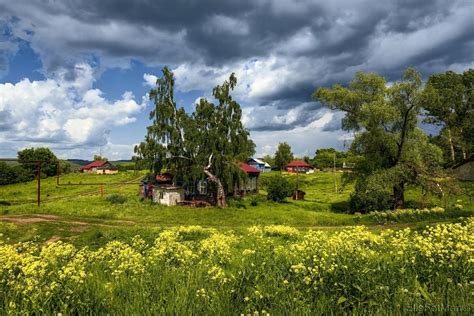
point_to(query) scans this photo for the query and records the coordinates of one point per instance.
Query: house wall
(101, 171)
(168, 197)
(465, 172)
(298, 169)
(259, 167)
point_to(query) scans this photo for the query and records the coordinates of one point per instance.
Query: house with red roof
(250, 185)
(298, 166)
(99, 167)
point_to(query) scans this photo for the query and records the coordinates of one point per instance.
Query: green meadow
(81, 252)
(69, 204)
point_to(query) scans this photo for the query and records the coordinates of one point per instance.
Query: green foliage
(449, 102)
(278, 188)
(269, 159)
(116, 198)
(405, 215)
(21, 174)
(49, 163)
(7, 175)
(206, 143)
(13, 174)
(372, 193)
(394, 151)
(65, 166)
(254, 201)
(99, 157)
(324, 158)
(283, 155)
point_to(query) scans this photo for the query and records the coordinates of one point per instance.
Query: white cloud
(257, 78)
(303, 140)
(61, 113)
(150, 80)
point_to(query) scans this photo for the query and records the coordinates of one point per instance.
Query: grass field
(242, 259)
(322, 207)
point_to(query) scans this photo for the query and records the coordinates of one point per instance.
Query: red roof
(298, 163)
(94, 164)
(165, 177)
(249, 169)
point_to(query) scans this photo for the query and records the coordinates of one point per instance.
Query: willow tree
(395, 151)
(208, 142)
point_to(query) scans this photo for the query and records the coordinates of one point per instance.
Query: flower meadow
(383, 217)
(266, 270)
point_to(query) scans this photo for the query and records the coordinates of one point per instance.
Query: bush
(404, 215)
(116, 199)
(285, 232)
(278, 188)
(7, 175)
(13, 174)
(371, 194)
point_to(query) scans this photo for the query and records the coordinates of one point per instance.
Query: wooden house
(298, 195)
(259, 164)
(251, 183)
(298, 166)
(464, 170)
(99, 167)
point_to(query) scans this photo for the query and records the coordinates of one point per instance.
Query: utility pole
(297, 183)
(334, 171)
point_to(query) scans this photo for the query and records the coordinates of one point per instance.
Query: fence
(39, 163)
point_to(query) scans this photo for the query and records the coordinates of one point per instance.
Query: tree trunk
(451, 146)
(399, 196)
(463, 147)
(220, 199)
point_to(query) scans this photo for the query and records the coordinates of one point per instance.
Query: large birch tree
(206, 143)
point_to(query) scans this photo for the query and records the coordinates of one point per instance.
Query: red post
(39, 182)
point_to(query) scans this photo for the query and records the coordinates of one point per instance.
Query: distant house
(100, 167)
(259, 164)
(348, 165)
(464, 170)
(298, 166)
(268, 168)
(251, 184)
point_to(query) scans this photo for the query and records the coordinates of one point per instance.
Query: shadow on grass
(340, 207)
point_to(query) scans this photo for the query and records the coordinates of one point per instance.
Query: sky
(74, 74)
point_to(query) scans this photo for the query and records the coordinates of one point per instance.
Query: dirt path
(41, 218)
(80, 225)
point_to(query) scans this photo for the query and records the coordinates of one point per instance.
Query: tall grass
(275, 269)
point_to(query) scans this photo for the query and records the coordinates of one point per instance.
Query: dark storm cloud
(313, 43)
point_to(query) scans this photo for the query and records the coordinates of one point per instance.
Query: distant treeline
(27, 167)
